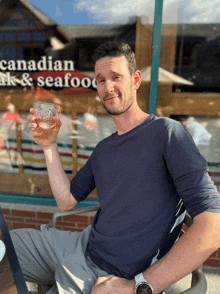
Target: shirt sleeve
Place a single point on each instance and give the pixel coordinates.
(189, 172)
(83, 183)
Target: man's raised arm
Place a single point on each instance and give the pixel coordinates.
(59, 181)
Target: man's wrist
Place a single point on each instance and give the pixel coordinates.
(52, 145)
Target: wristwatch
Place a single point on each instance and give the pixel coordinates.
(142, 286)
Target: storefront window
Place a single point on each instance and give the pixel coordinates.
(196, 60)
(9, 157)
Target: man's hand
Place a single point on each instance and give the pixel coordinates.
(44, 138)
(113, 285)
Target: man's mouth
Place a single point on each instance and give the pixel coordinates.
(110, 98)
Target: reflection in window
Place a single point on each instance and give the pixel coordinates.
(39, 36)
(33, 155)
(90, 130)
(8, 144)
(2, 53)
(20, 53)
(198, 56)
(1, 37)
(24, 36)
(10, 37)
(18, 18)
(10, 53)
(205, 132)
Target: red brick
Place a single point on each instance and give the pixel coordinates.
(59, 227)
(72, 229)
(91, 219)
(6, 211)
(37, 221)
(14, 219)
(76, 218)
(9, 225)
(23, 213)
(60, 223)
(44, 215)
(213, 255)
(23, 225)
(212, 262)
(81, 225)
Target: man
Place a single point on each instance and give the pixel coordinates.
(146, 174)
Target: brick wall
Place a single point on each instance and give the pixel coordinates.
(33, 216)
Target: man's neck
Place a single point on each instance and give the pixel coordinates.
(127, 121)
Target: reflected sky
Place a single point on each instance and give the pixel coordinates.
(82, 12)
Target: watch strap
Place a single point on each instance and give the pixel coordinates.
(140, 279)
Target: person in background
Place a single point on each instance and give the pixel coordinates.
(147, 174)
(8, 122)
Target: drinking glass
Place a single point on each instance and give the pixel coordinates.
(46, 115)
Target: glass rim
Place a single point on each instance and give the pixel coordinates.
(48, 103)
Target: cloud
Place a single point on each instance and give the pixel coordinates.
(58, 12)
(182, 11)
(109, 11)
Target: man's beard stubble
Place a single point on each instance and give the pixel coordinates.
(117, 112)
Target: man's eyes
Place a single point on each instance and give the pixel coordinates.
(100, 81)
(114, 78)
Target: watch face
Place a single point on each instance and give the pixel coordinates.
(144, 289)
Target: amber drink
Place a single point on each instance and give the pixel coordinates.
(45, 116)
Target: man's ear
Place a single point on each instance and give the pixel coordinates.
(137, 79)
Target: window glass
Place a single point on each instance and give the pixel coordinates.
(198, 47)
(18, 18)
(33, 155)
(10, 53)
(24, 36)
(2, 35)
(10, 37)
(91, 129)
(39, 36)
(9, 156)
(2, 53)
(20, 51)
(191, 32)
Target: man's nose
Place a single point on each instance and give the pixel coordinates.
(109, 86)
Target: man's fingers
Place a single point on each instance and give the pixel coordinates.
(35, 134)
(32, 126)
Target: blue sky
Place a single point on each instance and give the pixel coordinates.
(65, 12)
(81, 12)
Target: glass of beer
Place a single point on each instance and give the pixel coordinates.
(46, 115)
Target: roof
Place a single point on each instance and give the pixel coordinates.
(93, 31)
(38, 13)
(206, 30)
(6, 5)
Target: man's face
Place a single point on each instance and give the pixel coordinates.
(116, 86)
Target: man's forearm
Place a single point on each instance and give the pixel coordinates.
(59, 182)
(190, 251)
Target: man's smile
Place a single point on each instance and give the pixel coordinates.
(110, 98)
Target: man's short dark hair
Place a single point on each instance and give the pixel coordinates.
(116, 49)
